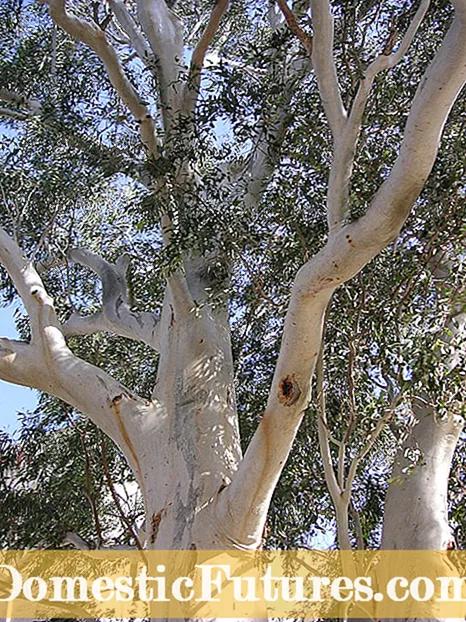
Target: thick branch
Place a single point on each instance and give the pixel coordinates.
(136, 38)
(95, 38)
(243, 505)
(47, 364)
(116, 316)
(416, 514)
(420, 474)
(164, 32)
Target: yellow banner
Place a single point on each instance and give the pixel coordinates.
(229, 584)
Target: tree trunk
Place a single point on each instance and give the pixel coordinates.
(416, 516)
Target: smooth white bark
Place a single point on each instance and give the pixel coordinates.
(116, 315)
(348, 249)
(95, 38)
(416, 515)
(416, 510)
(164, 32)
(47, 364)
(184, 443)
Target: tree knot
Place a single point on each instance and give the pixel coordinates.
(288, 391)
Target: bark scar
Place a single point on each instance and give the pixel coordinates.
(115, 406)
(155, 526)
(288, 391)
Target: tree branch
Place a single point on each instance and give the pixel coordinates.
(370, 442)
(136, 38)
(271, 130)
(27, 107)
(14, 114)
(95, 38)
(334, 485)
(164, 32)
(47, 364)
(191, 90)
(324, 66)
(323, 431)
(292, 22)
(345, 144)
(116, 316)
(75, 540)
(243, 504)
(432, 103)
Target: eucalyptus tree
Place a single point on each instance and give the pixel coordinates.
(252, 173)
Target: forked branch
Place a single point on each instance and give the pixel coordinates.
(116, 315)
(243, 505)
(95, 38)
(47, 364)
(136, 38)
(345, 143)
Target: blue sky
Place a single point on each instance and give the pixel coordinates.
(12, 397)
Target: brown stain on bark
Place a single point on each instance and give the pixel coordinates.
(288, 391)
(155, 526)
(114, 405)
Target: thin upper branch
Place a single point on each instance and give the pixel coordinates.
(272, 126)
(95, 38)
(324, 65)
(371, 440)
(197, 61)
(116, 316)
(345, 144)
(292, 22)
(136, 38)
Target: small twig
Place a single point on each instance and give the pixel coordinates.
(90, 496)
(198, 57)
(295, 28)
(357, 526)
(371, 441)
(111, 485)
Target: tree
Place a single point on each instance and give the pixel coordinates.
(232, 212)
